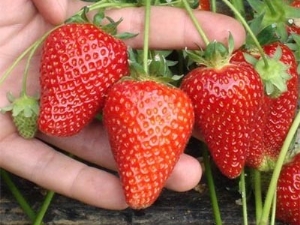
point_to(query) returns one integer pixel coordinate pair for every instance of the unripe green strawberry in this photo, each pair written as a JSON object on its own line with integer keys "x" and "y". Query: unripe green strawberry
{"x": 25, "y": 110}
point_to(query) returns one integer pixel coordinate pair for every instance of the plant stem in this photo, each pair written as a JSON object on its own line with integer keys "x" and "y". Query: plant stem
{"x": 211, "y": 187}
{"x": 195, "y": 22}
{"x": 244, "y": 199}
{"x": 273, "y": 215}
{"x": 213, "y": 5}
{"x": 273, "y": 183}
{"x": 257, "y": 193}
{"x": 17, "y": 194}
{"x": 146, "y": 35}
{"x": 270, "y": 6}
{"x": 44, "y": 208}
{"x": 31, "y": 50}
{"x": 248, "y": 29}
{"x": 239, "y": 5}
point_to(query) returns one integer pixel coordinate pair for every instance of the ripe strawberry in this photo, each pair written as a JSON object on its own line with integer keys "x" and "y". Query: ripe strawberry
{"x": 226, "y": 97}
{"x": 79, "y": 63}
{"x": 288, "y": 192}
{"x": 149, "y": 125}
{"x": 277, "y": 113}
{"x": 25, "y": 110}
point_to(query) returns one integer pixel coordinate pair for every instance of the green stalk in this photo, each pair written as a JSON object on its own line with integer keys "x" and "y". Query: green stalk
{"x": 273, "y": 215}
{"x": 146, "y": 35}
{"x": 17, "y": 194}
{"x": 248, "y": 29}
{"x": 244, "y": 198}
{"x": 213, "y": 5}
{"x": 239, "y": 6}
{"x": 30, "y": 50}
{"x": 44, "y": 208}
{"x": 257, "y": 194}
{"x": 273, "y": 183}
{"x": 270, "y": 6}
{"x": 195, "y": 22}
{"x": 211, "y": 188}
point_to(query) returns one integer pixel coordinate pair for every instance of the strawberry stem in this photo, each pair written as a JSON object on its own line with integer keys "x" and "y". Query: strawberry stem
{"x": 31, "y": 50}
{"x": 244, "y": 198}
{"x": 248, "y": 29}
{"x": 146, "y": 35}
{"x": 17, "y": 194}
{"x": 270, "y": 6}
{"x": 273, "y": 215}
{"x": 44, "y": 208}
{"x": 195, "y": 22}
{"x": 211, "y": 187}
{"x": 281, "y": 158}
{"x": 239, "y": 6}
{"x": 257, "y": 193}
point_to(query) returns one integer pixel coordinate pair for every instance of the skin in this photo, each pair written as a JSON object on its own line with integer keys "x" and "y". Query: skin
{"x": 23, "y": 22}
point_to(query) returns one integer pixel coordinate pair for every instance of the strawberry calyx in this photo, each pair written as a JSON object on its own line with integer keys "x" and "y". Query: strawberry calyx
{"x": 216, "y": 55}
{"x": 274, "y": 73}
{"x": 24, "y": 110}
{"x": 158, "y": 67}
{"x": 105, "y": 23}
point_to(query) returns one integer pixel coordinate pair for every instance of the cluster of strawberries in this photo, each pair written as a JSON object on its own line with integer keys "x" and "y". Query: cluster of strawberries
{"x": 242, "y": 103}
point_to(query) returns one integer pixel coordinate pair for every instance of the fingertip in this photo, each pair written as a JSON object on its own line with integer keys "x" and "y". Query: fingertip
{"x": 186, "y": 174}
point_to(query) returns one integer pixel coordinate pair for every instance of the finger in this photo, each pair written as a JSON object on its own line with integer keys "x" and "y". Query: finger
{"x": 92, "y": 145}
{"x": 171, "y": 28}
{"x": 37, "y": 162}
{"x": 56, "y": 11}
{"x": 186, "y": 174}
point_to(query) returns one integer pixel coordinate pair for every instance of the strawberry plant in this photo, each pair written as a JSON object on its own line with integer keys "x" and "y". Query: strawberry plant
{"x": 243, "y": 104}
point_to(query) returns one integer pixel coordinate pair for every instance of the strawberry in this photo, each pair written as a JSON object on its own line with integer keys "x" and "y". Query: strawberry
{"x": 277, "y": 113}
{"x": 149, "y": 125}
{"x": 79, "y": 63}
{"x": 288, "y": 192}
{"x": 25, "y": 110}
{"x": 226, "y": 97}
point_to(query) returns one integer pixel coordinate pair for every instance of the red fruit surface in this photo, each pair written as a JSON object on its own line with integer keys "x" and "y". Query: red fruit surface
{"x": 149, "y": 125}
{"x": 276, "y": 115}
{"x": 225, "y": 102}
{"x": 79, "y": 63}
{"x": 288, "y": 193}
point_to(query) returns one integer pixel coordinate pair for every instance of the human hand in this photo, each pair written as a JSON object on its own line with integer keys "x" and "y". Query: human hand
{"x": 21, "y": 24}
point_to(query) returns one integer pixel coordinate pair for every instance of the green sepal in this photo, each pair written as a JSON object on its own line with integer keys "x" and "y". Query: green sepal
{"x": 274, "y": 75}
{"x": 79, "y": 18}
{"x": 24, "y": 111}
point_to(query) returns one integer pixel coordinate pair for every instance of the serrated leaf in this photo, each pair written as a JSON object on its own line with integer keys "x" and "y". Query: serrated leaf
{"x": 256, "y": 5}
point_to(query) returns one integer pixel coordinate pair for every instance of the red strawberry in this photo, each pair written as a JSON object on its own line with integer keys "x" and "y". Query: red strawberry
{"x": 276, "y": 115}
{"x": 288, "y": 192}
{"x": 79, "y": 63}
{"x": 149, "y": 125}
{"x": 226, "y": 97}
